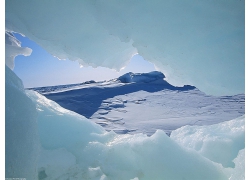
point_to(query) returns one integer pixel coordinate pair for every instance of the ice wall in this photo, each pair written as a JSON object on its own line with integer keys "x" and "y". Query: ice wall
{"x": 21, "y": 133}
{"x": 192, "y": 42}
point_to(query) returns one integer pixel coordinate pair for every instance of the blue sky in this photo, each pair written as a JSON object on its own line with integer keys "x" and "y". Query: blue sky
{"x": 42, "y": 69}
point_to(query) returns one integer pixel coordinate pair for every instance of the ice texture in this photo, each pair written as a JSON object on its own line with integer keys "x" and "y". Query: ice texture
{"x": 13, "y": 48}
{"x": 220, "y": 142}
{"x": 90, "y": 152}
{"x": 198, "y": 42}
{"x": 238, "y": 172}
{"x": 21, "y": 131}
{"x": 192, "y": 42}
{"x": 45, "y": 141}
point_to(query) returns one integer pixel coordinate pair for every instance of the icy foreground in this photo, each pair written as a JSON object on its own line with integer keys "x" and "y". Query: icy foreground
{"x": 55, "y": 143}
{"x": 154, "y": 102}
{"x": 182, "y": 38}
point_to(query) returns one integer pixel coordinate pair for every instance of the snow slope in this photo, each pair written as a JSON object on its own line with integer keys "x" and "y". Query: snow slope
{"x": 47, "y": 142}
{"x": 147, "y": 96}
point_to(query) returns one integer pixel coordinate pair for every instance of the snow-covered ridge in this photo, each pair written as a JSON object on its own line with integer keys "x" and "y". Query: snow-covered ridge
{"x": 45, "y": 142}
{"x": 154, "y": 102}
{"x": 141, "y": 77}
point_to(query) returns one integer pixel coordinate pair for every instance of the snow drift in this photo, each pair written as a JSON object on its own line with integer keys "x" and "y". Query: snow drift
{"x": 154, "y": 102}
{"x": 141, "y": 77}
{"x": 183, "y": 39}
{"x": 61, "y": 144}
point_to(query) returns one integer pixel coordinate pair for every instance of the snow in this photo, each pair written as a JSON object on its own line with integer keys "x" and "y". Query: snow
{"x": 199, "y": 43}
{"x": 239, "y": 171}
{"x": 154, "y": 102}
{"x": 141, "y": 77}
{"x": 220, "y": 143}
{"x": 62, "y": 144}
{"x": 193, "y": 42}
{"x": 90, "y": 152}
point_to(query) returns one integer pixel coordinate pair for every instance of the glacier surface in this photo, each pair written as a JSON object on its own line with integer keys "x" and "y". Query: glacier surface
{"x": 183, "y": 39}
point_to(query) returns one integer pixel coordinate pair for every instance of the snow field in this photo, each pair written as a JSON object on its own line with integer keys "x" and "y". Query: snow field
{"x": 65, "y": 145}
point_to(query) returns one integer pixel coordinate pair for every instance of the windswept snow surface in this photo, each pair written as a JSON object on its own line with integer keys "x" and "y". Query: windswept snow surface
{"x": 147, "y": 96}
{"x": 47, "y": 142}
{"x": 192, "y": 42}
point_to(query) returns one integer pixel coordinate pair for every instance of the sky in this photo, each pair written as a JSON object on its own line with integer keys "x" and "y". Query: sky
{"x": 42, "y": 69}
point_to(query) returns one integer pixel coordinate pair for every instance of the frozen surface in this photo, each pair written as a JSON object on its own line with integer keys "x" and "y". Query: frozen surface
{"x": 220, "y": 142}
{"x": 21, "y": 131}
{"x": 13, "y": 48}
{"x": 155, "y": 103}
{"x": 239, "y": 171}
{"x": 141, "y": 77}
{"x": 192, "y": 42}
{"x": 76, "y": 148}
{"x": 90, "y": 152}
{"x": 45, "y": 141}
{"x": 223, "y": 143}
{"x": 199, "y": 43}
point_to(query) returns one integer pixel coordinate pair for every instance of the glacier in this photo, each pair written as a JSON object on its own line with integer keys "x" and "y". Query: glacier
{"x": 182, "y": 39}
{"x": 199, "y": 43}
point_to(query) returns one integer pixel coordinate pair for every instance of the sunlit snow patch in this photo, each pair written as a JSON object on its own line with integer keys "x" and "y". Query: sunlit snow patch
{"x": 92, "y": 153}
{"x": 73, "y": 147}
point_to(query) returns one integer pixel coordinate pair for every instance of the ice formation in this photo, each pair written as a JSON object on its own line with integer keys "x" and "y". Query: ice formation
{"x": 147, "y": 96}
{"x": 13, "y": 48}
{"x": 183, "y": 39}
{"x": 198, "y": 42}
{"x": 221, "y": 142}
{"x": 141, "y": 77}
{"x": 46, "y": 141}
{"x": 21, "y": 131}
{"x": 75, "y": 147}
